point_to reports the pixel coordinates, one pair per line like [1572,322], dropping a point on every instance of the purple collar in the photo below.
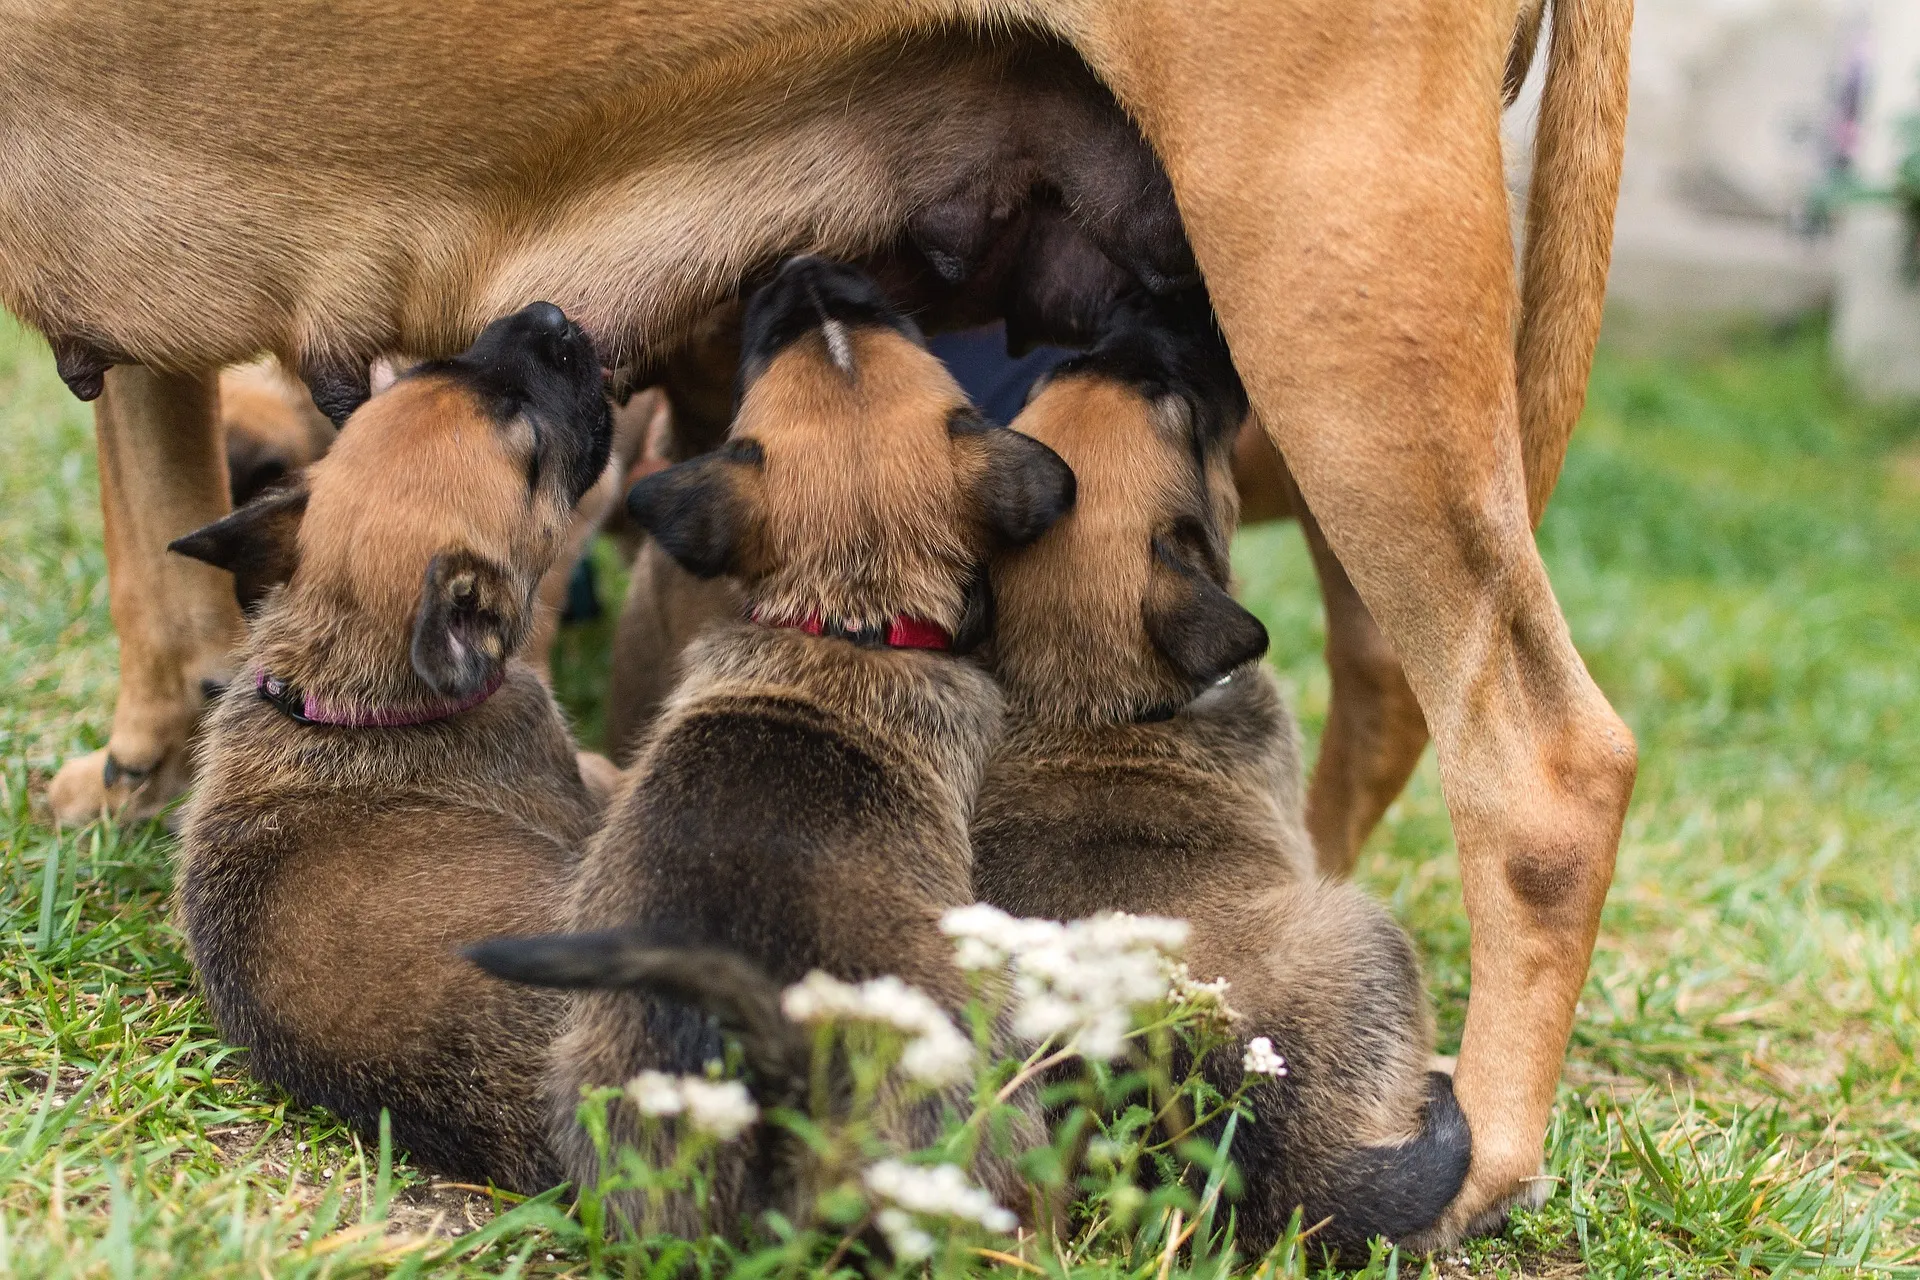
[307,709]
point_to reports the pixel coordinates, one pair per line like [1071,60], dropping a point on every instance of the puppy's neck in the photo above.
[1079,660]
[342,654]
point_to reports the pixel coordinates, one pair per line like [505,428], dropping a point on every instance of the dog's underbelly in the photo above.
[633,201]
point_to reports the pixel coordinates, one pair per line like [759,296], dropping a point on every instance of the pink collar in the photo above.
[901,632]
[307,709]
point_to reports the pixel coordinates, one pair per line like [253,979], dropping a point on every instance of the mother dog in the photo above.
[189,183]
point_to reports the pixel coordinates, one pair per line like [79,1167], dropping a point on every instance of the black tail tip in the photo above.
[1399,1192]
[548,960]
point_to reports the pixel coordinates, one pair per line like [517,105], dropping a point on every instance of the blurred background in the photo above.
[1772,170]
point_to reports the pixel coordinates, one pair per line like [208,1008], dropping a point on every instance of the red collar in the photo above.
[901,632]
[307,709]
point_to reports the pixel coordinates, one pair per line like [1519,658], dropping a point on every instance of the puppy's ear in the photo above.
[259,544]
[695,509]
[469,619]
[1197,627]
[1021,485]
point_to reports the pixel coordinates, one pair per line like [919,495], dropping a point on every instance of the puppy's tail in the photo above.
[742,998]
[1400,1191]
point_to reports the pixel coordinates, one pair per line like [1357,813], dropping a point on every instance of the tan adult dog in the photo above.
[332,185]
[390,782]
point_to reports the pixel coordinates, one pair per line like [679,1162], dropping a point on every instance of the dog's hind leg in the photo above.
[1375,732]
[163,473]
[1339,174]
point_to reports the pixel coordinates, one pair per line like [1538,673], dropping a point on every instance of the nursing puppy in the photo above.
[386,783]
[802,802]
[1151,766]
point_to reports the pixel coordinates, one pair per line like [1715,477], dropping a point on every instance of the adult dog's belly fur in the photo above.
[329,876]
[439,168]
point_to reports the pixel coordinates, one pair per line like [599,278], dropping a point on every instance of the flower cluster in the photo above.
[1080,980]
[1211,997]
[937,1054]
[719,1107]
[1261,1060]
[941,1191]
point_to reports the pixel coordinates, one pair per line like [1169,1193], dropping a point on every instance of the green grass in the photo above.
[1737,546]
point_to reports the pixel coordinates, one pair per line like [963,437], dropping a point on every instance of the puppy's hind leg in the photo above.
[162,474]
[1355,1130]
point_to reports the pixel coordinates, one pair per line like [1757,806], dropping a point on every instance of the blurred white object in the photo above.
[1876,322]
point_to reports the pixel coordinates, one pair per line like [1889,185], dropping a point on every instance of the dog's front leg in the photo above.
[163,473]
[1339,171]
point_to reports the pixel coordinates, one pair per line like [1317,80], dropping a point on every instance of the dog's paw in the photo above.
[97,785]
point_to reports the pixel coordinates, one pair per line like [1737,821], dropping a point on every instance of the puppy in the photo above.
[1151,766]
[386,783]
[802,801]
[270,427]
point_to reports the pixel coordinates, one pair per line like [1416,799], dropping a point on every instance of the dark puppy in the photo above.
[384,784]
[1151,766]
[802,801]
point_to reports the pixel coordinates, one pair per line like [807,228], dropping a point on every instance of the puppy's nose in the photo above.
[544,317]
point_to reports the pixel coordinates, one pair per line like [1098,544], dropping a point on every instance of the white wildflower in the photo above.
[939,1190]
[936,1053]
[1261,1060]
[719,1107]
[1080,980]
[656,1094]
[908,1242]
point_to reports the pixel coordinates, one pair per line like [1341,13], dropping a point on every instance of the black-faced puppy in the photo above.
[802,801]
[1151,766]
[386,783]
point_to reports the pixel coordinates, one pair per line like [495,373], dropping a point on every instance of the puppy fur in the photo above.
[802,802]
[1150,765]
[328,873]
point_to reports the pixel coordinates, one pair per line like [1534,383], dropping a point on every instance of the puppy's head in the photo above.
[856,482]
[1121,612]
[417,542]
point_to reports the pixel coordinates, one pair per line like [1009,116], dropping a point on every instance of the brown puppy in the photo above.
[385,784]
[1151,766]
[802,802]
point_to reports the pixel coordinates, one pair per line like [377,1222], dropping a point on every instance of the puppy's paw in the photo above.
[97,785]
[1474,1214]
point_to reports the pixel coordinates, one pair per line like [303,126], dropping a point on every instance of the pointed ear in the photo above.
[1197,627]
[259,544]
[695,509]
[470,618]
[1022,486]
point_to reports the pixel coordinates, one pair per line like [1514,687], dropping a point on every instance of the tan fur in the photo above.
[328,875]
[1576,183]
[1338,174]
